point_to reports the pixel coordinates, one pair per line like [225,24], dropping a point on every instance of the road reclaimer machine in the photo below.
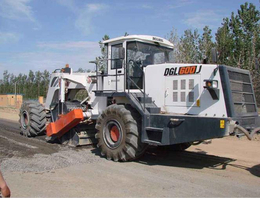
[140,97]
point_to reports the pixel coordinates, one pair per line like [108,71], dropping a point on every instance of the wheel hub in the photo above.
[113,134]
[25,119]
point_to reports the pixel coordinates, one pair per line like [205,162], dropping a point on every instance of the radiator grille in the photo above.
[247,121]
[239,76]
[242,92]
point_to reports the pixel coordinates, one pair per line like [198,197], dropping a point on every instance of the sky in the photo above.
[47,34]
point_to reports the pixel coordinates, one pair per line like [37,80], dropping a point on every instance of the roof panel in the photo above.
[148,38]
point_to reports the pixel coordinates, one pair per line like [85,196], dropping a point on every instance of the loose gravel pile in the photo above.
[41,162]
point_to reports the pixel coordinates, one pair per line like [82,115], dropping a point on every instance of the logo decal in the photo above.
[174,71]
[157,39]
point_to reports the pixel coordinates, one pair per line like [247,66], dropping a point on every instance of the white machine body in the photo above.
[176,92]
[61,83]
[177,103]
[174,88]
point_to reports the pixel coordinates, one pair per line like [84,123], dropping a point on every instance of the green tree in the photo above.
[224,43]
[175,40]
[31,86]
[206,44]
[45,82]
[101,61]
[238,42]
[37,84]
[6,84]
[189,47]
[238,38]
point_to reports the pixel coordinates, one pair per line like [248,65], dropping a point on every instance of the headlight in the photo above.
[212,87]
[211,84]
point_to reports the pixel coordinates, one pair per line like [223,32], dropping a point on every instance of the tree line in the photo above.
[237,42]
[30,86]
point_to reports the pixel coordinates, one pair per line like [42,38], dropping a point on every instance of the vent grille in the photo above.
[238,86]
[175,96]
[239,76]
[183,96]
[242,92]
[175,85]
[248,121]
[191,96]
[183,84]
[191,83]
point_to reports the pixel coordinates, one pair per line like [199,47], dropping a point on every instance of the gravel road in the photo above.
[32,167]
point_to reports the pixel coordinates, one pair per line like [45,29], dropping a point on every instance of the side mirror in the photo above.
[121,53]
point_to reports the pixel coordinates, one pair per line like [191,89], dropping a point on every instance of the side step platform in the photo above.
[149,104]
[153,135]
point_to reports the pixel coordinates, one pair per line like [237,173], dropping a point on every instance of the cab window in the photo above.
[116,63]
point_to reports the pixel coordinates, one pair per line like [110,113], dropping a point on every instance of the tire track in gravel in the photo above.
[19,153]
[12,144]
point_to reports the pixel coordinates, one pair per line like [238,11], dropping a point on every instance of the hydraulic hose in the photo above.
[254,132]
[247,134]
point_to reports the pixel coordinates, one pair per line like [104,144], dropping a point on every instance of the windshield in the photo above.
[147,54]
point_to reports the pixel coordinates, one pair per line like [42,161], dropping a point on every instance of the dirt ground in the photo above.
[227,167]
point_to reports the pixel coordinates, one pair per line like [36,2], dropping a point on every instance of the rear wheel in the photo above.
[118,135]
[32,119]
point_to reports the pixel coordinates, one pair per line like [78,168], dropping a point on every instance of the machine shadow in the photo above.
[255,170]
[188,159]
[185,159]
[162,156]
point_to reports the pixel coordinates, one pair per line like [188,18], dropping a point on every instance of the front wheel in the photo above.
[32,119]
[118,135]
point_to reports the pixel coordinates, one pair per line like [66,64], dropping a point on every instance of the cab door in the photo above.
[134,67]
[114,80]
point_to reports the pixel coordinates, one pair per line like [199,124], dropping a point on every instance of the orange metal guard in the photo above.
[65,123]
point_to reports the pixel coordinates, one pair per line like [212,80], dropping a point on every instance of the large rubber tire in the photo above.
[179,147]
[118,135]
[32,119]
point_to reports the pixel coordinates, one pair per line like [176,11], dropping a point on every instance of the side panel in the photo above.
[169,129]
[176,92]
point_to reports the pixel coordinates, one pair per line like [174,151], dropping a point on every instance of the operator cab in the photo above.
[126,58]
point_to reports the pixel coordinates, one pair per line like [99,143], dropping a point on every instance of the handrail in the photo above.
[139,89]
[143,92]
[116,75]
[128,79]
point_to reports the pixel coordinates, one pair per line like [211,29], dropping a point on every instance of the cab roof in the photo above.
[147,38]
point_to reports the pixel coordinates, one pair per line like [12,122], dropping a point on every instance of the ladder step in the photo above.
[153,109]
[146,99]
[154,135]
